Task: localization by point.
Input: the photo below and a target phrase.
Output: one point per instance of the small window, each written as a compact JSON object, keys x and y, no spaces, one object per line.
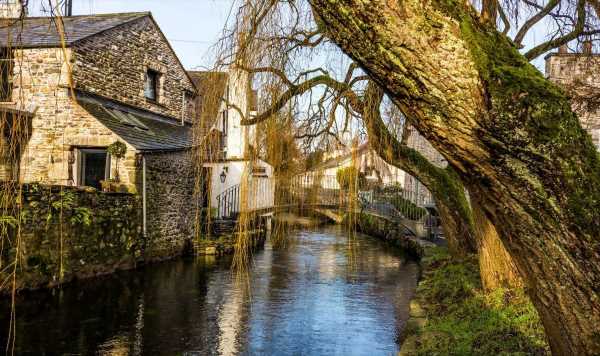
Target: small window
{"x":225,"y":127}
{"x":151,"y":85}
{"x":6,"y":68}
{"x":93,"y":167}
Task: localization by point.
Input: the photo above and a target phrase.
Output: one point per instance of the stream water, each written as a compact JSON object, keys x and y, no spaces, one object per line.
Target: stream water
{"x":323,"y":294}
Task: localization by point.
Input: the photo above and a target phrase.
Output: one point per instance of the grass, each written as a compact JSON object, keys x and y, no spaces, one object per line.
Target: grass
{"x":464,"y":320}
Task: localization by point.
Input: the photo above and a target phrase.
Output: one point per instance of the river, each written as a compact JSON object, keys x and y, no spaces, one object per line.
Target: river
{"x":323,"y":294}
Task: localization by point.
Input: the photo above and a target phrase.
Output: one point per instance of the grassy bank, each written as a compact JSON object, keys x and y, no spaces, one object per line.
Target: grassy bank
{"x":451,"y":315}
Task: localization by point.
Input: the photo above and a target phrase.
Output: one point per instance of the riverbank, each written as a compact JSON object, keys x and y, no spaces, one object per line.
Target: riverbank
{"x":389,"y":231}
{"x":451,"y":314}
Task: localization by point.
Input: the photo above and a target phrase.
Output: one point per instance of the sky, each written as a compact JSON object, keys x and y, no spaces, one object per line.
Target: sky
{"x":191,"y":26}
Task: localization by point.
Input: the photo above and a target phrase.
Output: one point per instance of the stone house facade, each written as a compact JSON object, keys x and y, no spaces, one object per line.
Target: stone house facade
{"x":110,"y":78}
{"x":579,"y":75}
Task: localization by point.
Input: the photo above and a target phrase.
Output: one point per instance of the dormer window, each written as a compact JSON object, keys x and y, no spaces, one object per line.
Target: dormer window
{"x":152,"y":84}
{"x":6,"y":69}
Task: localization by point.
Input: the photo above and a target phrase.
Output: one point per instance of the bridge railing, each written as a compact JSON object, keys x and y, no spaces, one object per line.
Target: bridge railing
{"x":264,"y":194}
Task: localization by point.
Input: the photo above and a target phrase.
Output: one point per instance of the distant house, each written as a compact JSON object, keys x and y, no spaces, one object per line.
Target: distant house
{"x":579,"y":74}
{"x":110,"y":78}
{"x":229,"y":148}
{"x":418,"y":193}
{"x":364,"y":159}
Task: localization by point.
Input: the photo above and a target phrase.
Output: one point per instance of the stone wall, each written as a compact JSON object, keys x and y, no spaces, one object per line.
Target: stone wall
{"x":387,"y":230}
{"x":60,"y":124}
{"x":69,"y":233}
{"x":171,"y":203}
{"x":114,"y":63}
{"x":579,"y":74}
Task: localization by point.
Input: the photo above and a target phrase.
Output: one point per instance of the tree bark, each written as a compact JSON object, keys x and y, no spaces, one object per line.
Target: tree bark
{"x":496,"y":267}
{"x":509,"y":133}
{"x":458,"y":230}
{"x":465,"y":226}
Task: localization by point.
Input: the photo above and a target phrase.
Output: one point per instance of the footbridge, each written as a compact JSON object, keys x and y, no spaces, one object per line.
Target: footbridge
{"x":324,"y":195}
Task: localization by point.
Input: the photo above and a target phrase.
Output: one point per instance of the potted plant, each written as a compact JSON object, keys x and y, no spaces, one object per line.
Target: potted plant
{"x":117,"y":150}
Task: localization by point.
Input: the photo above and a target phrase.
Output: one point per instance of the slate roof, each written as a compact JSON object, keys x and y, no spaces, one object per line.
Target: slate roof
{"x":144,"y":130}
{"x":35,"y":32}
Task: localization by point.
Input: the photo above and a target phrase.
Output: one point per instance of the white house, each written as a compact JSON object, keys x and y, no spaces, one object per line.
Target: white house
{"x":363,"y":158}
{"x":224,"y":98}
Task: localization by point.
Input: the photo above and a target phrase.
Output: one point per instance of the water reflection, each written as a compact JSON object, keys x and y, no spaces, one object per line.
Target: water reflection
{"x":323,"y":294}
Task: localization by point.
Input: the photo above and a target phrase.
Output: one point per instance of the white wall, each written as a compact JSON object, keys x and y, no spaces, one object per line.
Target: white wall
{"x":396,"y":175}
{"x":237,"y":135}
{"x":261,"y":192}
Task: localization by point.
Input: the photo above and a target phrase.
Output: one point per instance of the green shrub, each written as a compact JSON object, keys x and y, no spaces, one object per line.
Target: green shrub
{"x":117,"y":149}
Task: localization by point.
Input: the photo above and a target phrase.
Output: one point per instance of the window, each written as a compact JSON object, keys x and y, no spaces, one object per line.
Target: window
{"x":6,"y":68}
{"x":225,"y":128}
{"x":152,"y":85}
{"x":93,"y":167}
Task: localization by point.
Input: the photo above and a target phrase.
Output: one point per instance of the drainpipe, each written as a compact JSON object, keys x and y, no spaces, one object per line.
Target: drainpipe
{"x":144,"y":196}
{"x":182,"y":106}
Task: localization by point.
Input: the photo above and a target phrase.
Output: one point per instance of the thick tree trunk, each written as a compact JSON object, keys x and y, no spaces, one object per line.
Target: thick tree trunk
{"x":496,"y":267}
{"x":458,"y":230}
{"x":509,"y":133}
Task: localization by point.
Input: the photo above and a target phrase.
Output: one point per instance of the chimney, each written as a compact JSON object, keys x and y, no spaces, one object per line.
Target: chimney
{"x":587,"y":47}
{"x":563,"y":49}
{"x":11,"y":9}
{"x":68,"y":8}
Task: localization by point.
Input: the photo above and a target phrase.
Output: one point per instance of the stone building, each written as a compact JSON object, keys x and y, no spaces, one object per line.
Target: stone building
{"x":72,"y":94}
{"x":579,"y":74}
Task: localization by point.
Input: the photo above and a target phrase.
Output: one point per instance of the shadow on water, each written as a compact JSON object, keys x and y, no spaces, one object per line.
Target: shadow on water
{"x":312,"y":297}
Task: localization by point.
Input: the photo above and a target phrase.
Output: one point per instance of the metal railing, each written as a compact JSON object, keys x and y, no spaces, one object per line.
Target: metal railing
{"x":324,"y":190}
{"x":256,"y":194}
{"x":228,"y":202}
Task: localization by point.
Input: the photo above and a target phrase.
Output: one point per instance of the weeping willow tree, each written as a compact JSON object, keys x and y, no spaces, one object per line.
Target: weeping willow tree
{"x":337,"y":96}
{"x":509,"y":136}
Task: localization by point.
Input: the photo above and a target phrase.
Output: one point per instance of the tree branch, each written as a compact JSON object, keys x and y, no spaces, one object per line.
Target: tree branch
{"x":557,"y":42}
{"x":533,"y":20}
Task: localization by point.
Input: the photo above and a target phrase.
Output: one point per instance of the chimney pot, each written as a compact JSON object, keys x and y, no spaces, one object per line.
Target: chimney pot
{"x":587,"y":47}
{"x":563,"y":49}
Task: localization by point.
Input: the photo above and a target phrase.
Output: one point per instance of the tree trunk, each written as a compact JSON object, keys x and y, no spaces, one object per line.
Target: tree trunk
{"x":459,"y":232}
{"x":510,"y":134}
{"x":496,"y":267}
